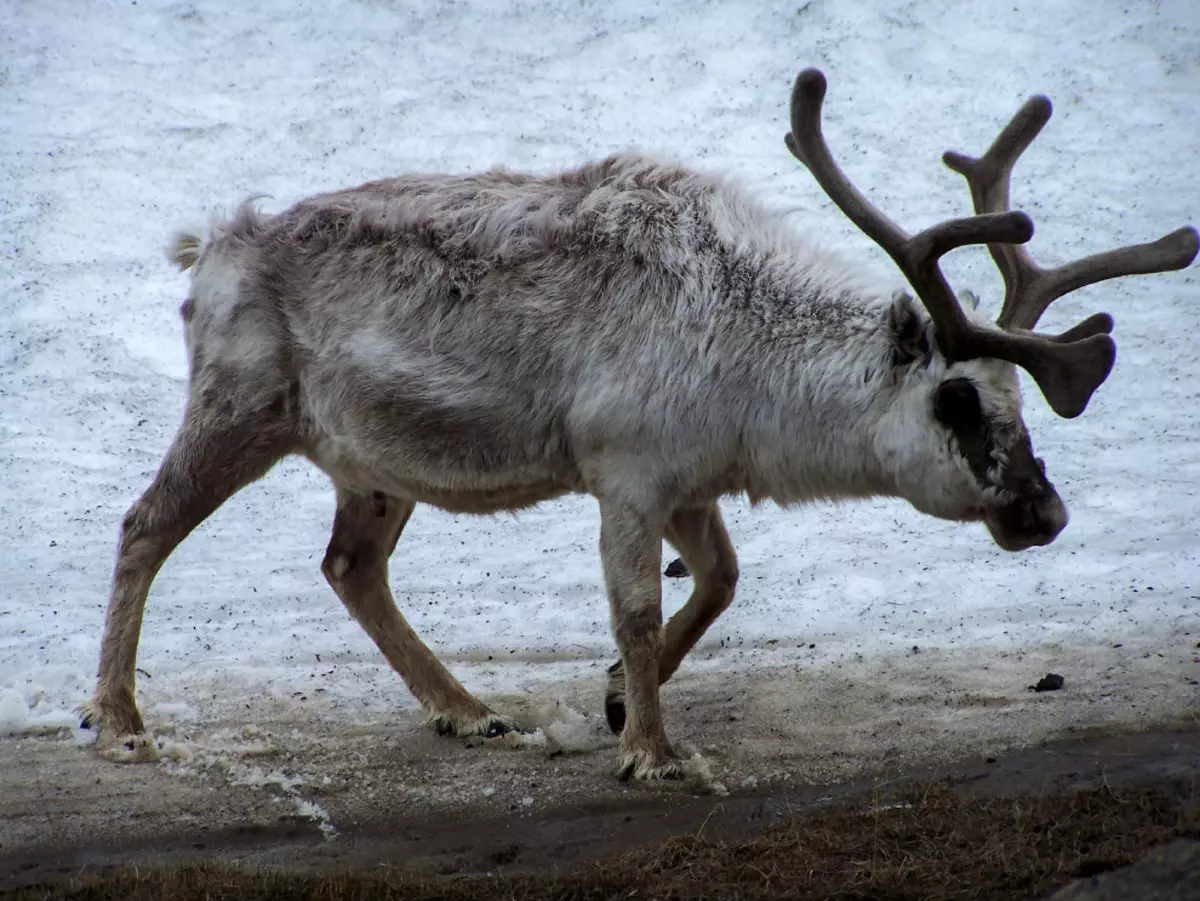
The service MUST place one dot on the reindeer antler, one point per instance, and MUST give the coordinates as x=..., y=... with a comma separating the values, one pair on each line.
x=1069, y=367
x=1028, y=288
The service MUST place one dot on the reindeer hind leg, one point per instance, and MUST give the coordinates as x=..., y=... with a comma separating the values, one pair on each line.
x=365, y=532
x=214, y=454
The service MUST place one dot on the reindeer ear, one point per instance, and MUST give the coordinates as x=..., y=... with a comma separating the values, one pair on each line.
x=907, y=330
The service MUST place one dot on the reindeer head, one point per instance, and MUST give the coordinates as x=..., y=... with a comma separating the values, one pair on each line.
x=967, y=381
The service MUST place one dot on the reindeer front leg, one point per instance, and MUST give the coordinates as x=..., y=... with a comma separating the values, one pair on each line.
x=631, y=551
x=700, y=536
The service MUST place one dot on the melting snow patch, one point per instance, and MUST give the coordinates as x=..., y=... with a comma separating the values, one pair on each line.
x=177, y=712
x=83, y=738
x=21, y=715
x=518, y=740
x=240, y=773
x=221, y=753
x=567, y=731
x=698, y=767
x=318, y=815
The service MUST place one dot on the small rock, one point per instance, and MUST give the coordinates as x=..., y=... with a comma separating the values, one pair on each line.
x=1049, y=682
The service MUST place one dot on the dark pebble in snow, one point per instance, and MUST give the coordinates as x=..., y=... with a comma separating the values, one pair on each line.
x=676, y=570
x=1049, y=682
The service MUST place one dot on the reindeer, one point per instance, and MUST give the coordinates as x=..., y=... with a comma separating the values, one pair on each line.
x=630, y=329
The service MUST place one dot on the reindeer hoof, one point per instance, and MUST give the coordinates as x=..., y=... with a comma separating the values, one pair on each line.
x=614, y=712
x=614, y=698
x=496, y=727
x=490, y=725
x=676, y=569
x=645, y=767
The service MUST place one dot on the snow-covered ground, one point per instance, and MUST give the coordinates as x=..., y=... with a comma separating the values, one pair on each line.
x=120, y=121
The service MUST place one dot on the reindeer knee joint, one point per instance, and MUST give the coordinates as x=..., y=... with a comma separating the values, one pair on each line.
x=142, y=533
x=134, y=524
x=727, y=578
x=720, y=582
x=336, y=565
x=639, y=626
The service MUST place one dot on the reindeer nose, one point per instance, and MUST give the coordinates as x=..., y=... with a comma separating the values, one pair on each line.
x=1032, y=521
x=1048, y=517
x=1037, y=521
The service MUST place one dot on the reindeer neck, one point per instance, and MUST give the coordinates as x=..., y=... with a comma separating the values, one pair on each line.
x=822, y=378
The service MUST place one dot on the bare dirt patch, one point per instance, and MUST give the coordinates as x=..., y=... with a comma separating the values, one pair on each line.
x=1013, y=828
x=309, y=790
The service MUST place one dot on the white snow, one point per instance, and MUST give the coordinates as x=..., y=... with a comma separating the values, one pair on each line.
x=121, y=121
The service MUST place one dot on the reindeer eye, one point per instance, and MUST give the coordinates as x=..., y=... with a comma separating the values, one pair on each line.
x=956, y=404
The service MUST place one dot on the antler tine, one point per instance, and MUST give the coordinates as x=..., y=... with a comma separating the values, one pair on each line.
x=806, y=141
x=917, y=256
x=1068, y=368
x=989, y=178
x=1029, y=288
x=1170, y=252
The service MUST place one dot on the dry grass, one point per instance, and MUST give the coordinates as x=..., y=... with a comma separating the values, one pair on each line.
x=930, y=844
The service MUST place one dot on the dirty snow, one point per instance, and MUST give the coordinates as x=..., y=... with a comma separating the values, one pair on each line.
x=121, y=121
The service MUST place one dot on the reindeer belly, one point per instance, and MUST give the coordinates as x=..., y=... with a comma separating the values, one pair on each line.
x=473, y=452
